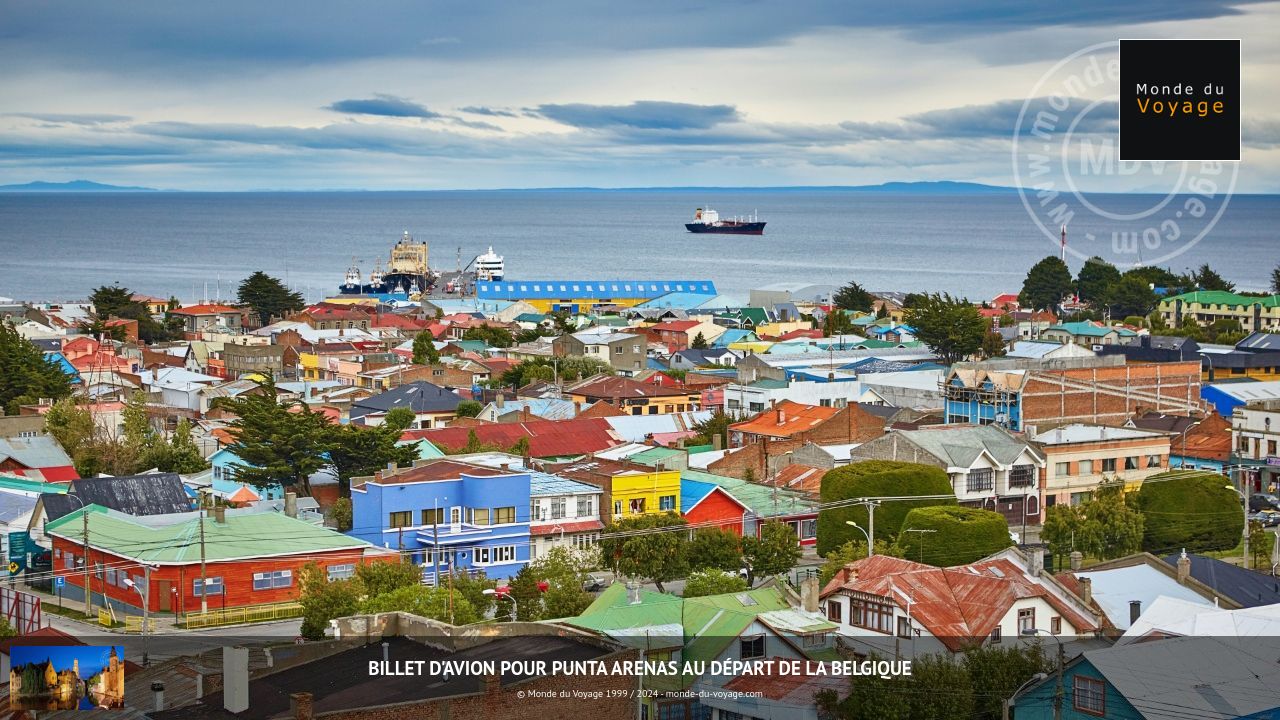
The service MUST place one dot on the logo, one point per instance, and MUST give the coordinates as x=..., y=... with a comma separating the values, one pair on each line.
x=1087, y=201
x=1180, y=100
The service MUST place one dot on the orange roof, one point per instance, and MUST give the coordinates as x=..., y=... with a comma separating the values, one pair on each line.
x=209, y=309
x=786, y=419
x=804, y=478
x=244, y=495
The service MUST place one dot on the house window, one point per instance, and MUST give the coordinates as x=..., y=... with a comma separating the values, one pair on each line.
x=1109, y=465
x=1086, y=467
x=495, y=555
x=872, y=615
x=835, y=612
x=557, y=508
x=1062, y=469
x=401, y=519
x=617, y=507
x=1131, y=462
x=584, y=506
x=1153, y=461
x=212, y=585
x=504, y=515
x=1026, y=620
x=808, y=529
x=980, y=480
x=637, y=506
x=1055, y=625
x=752, y=647
x=479, y=516
x=904, y=627
x=536, y=512
x=667, y=502
x=618, y=350
x=341, y=572
x=435, y=516
x=996, y=636
x=1022, y=476
x=1089, y=695
x=269, y=580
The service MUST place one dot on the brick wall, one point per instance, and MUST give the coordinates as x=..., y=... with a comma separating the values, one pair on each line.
x=1114, y=394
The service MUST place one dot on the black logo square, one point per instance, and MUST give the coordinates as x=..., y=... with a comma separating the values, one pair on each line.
x=1180, y=99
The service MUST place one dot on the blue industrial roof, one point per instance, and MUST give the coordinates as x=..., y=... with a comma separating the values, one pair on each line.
x=590, y=289
x=679, y=300
x=692, y=492
x=541, y=483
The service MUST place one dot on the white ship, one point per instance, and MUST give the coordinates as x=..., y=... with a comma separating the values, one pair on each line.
x=489, y=266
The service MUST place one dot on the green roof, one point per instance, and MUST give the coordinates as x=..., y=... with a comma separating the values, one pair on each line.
x=1088, y=329
x=760, y=499
x=693, y=449
x=531, y=317
x=654, y=455
x=249, y=535
x=426, y=449
x=17, y=483
x=1222, y=297
x=478, y=346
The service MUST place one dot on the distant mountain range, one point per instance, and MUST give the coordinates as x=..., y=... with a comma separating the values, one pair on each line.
x=72, y=186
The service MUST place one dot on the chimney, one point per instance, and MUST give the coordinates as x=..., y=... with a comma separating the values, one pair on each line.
x=1135, y=611
x=633, y=592
x=157, y=690
x=505, y=465
x=500, y=401
x=717, y=442
x=291, y=504
x=199, y=685
x=782, y=415
x=1077, y=560
x=773, y=402
x=577, y=408
x=392, y=467
x=525, y=415
x=1036, y=562
x=809, y=594
x=386, y=652
x=235, y=679
x=1184, y=568
x=492, y=684
x=301, y=706
x=220, y=515
x=1086, y=590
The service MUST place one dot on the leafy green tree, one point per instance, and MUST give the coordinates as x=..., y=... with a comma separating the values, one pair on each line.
x=715, y=426
x=472, y=587
x=540, y=369
x=341, y=513
x=837, y=322
x=6, y=630
x=424, y=349
x=426, y=601
x=1096, y=279
x=178, y=454
x=870, y=479
x=852, y=551
x=1047, y=284
x=1260, y=543
x=1275, y=280
x=996, y=671
x=1188, y=509
x=73, y=427
x=26, y=375
x=1131, y=296
x=1106, y=526
x=710, y=581
x=323, y=600
x=952, y=328
x=280, y=442
x=774, y=552
x=380, y=578
x=267, y=297
x=658, y=555
x=491, y=335
x=699, y=342
x=715, y=549
x=469, y=408
x=959, y=535
x=993, y=345
x=358, y=450
x=1206, y=278
x=853, y=297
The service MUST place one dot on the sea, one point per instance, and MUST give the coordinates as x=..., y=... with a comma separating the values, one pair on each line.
x=59, y=246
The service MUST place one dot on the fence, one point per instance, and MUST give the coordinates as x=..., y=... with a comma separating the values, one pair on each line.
x=133, y=623
x=236, y=616
x=20, y=610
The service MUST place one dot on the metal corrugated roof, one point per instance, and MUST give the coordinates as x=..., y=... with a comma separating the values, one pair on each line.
x=589, y=289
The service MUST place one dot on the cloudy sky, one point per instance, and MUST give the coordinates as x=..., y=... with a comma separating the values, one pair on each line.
x=417, y=94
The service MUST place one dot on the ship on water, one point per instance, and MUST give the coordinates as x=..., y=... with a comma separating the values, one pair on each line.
x=708, y=221
x=489, y=266
x=407, y=272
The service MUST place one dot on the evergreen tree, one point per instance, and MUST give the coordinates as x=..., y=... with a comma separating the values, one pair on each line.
x=1047, y=284
x=699, y=342
x=853, y=297
x=267, y=297
x=1095, y=281
x=424, y=349
x=469, y=408
x=1275, y=280
x=1131, y=296
x=774, y=552
x=491, y=335
x=26, y=375
x=993, y=345
x=282, y=443
x=357, y=451
x=1207, y=279
x=952, y=328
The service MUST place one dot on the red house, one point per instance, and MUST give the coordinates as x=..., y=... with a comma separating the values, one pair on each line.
x=251, y=557
x=706, y=505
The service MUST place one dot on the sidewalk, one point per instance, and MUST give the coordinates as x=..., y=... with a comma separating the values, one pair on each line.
x=49, y=603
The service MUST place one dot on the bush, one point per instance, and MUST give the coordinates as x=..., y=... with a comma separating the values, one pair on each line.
x=876, y=478
x=1192, y=510
x=713, y=582
x=961, y=535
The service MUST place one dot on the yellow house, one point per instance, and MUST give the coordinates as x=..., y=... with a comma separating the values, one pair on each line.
x=754, y=346
x=1203, y=307
x=778, y=329
x=629, y=489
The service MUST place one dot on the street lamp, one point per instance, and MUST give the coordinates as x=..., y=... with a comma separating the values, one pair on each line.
x=143, y=593
x=1057, y=694
x=870, y=550
x=507, y=595
x=1005, y=704
x=1244, y=502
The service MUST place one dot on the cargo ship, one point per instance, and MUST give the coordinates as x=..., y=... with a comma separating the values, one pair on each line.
x=407, y=273
x=708, y=221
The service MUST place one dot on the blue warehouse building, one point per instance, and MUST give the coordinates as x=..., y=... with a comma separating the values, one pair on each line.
x=580, y=296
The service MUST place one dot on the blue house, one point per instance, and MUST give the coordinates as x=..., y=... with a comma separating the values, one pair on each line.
x=447, y=515
x=225, y=466
x=1187, y=677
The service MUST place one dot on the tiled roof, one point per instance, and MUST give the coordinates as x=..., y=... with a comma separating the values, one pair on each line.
x=592, y=289
x=547, y=438
x=209, y=309
x=436, y=470
x=804, y=478
x=786, y=419
x=613, y=386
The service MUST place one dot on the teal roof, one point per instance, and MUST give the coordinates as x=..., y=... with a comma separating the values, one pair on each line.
x=1088, y=329
x=242, y=536
x=654, y=455
x=17, y=483
x=769, y=384
x=530, y=317
x=1222, y=297
x=426, y=449
x=760, y=499
x=478, y=346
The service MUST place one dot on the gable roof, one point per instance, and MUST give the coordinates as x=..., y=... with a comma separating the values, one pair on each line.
x=39, y=452
x=1247, y=588
x=960, y=445
x=150, y=494
x=615, y=386
x=206, y=309
x=786, y=419
x=547, y=438
x=421, y=397
x=693, y=492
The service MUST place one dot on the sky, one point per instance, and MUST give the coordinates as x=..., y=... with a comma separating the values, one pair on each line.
x=93, y=658
x=421, y=94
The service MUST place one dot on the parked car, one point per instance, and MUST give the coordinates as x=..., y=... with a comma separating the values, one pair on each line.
x=593, y=584
x=1268, y=518
x=1263, y=501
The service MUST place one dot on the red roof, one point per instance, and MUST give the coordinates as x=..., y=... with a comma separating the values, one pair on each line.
x=209, y=309
x=337, y=311
x=584, y=526
x=443, y=469
x=56, y=473
x=547, y=438
x=804, y=478
x=786, y=419
x=676, y=325
x=41, y=637
x=954, y=604
x=801, y=333
x=797, y=690
x=612, y=386
x=392, y=320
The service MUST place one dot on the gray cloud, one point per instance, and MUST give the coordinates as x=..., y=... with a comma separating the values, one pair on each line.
x=642, y=114
x=491, y=112
x=72, y=118
x=384, y=106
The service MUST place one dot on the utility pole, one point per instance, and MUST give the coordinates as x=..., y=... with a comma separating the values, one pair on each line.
x=88, y=589
x=871, y=506
x=204, y=580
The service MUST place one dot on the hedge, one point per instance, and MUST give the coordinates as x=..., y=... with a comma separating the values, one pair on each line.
x=960, y=535
x=876, y=478
x=1192, y=510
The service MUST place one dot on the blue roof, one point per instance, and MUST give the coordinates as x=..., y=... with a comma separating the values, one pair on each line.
x=733, y=335
x=678, y=300
x=589, y=289
x=541, y=483
x=692, y=492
